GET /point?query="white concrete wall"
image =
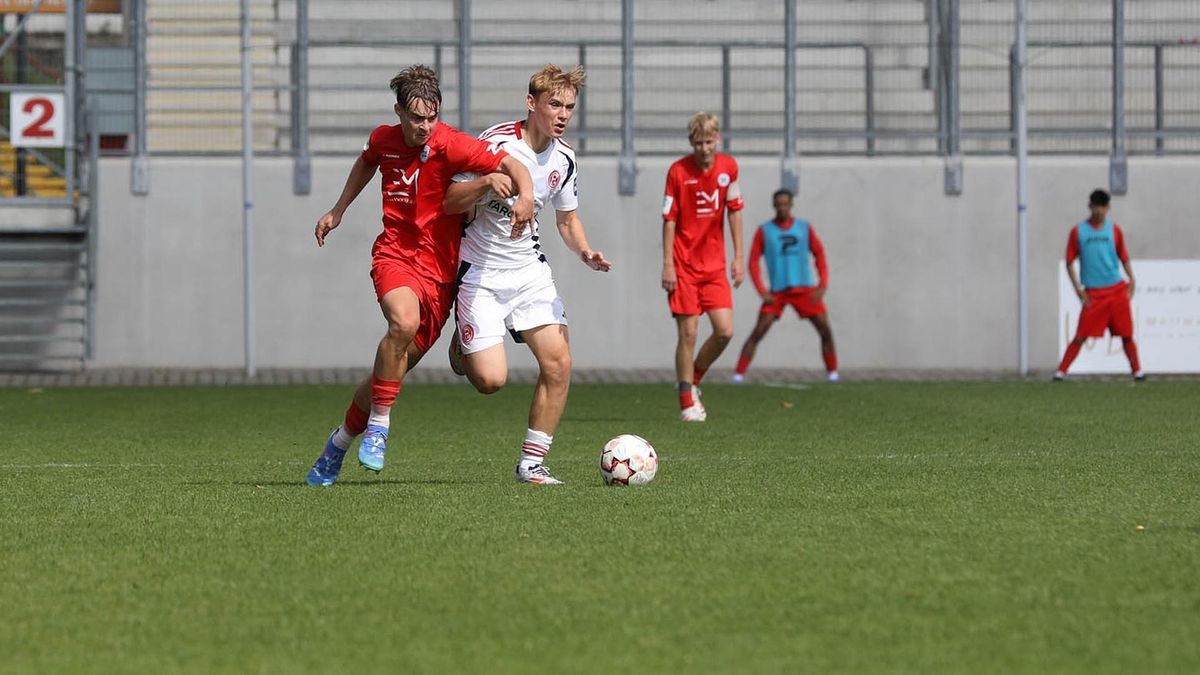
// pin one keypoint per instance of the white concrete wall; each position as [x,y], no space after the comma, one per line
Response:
[918,279]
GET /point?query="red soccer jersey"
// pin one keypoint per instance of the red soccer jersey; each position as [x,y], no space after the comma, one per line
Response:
[415,228]
[696,201]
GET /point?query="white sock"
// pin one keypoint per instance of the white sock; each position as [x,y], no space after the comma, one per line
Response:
[535,448]
[381,416]
[342,439]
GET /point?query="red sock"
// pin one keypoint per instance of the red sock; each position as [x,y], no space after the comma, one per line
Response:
[830,360]
[686,400]
[698,374]
[356,420]
[743,364]
[1069,356]
[384,392]
[1131,352]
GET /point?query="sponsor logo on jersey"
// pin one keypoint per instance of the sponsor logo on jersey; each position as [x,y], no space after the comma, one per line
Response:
[723,180]
[501,207]
[405,186]
[553,180]
[707,203]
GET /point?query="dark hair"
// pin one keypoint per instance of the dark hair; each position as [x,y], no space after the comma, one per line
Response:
[783,191]
[1098,198]
[417,83]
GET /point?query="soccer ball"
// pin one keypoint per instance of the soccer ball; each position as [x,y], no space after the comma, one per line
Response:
[628,460]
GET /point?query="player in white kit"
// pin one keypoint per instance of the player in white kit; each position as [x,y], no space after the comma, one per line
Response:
[505,282]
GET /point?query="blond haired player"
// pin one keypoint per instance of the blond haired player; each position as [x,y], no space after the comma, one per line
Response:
[506,285]
[701,187]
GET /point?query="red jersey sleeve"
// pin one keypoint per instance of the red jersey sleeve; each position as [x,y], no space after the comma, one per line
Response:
[1073,245]
[371,152]
[670,209]
[818,251]
[756,247]
[1119,237]
[733,195]
[467,154]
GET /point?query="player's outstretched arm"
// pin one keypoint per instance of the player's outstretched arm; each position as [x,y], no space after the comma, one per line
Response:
[460,197]
[523,210]
[738,273]
[360,174]
[571,229]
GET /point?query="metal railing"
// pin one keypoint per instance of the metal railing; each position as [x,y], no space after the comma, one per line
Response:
[917,111]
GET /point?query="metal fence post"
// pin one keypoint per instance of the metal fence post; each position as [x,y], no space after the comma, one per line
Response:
[869,83]
[1158,99]
[302,161]
[1118,166]
[934,26]
[1021,146]
[953,168]
[726,103]
[71,84]
[139,171]
[581,102]
[464,65]
[248,313]
[627,164]
[789,171]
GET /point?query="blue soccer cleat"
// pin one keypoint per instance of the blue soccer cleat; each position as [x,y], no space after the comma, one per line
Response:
[373,447]
[325,470]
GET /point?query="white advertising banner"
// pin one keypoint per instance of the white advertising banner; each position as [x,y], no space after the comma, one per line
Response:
[1166,321]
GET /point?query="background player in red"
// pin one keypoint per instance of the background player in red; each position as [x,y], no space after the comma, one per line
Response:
[700,188]
[415,258]
[1099,245]
[786,243]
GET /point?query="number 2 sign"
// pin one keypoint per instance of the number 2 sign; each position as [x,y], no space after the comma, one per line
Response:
[38,120]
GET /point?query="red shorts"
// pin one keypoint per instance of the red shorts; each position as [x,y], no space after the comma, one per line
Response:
[436,299]
[800,298]
[1108,309]
[694,296]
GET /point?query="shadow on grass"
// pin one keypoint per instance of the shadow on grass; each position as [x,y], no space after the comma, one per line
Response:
[345,484]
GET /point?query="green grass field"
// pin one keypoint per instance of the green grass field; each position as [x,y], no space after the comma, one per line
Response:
[960,527]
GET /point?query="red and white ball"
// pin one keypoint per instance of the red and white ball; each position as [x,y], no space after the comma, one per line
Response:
[628,460]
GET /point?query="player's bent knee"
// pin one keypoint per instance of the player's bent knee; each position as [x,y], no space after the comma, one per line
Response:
[557,368]
[489,383]
[402,329]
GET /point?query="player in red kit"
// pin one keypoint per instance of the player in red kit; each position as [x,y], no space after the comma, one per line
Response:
[415,258]
[785,243]
[700,189]
[1099,245]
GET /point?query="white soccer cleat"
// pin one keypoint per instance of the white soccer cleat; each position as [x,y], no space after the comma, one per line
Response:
[832,376]
[696,413]
[537,474]
[737,378]
[1059,375]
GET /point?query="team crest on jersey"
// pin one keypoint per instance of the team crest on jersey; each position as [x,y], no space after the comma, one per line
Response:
[723,180]
[425,154]
[468,333]
[553,180]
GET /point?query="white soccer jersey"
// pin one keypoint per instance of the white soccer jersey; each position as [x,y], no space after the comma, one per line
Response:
[487,240]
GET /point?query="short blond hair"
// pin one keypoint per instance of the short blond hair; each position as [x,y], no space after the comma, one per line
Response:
[552,78]
[703,123]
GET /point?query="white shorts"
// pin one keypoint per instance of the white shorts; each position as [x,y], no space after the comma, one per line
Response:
[492,301]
